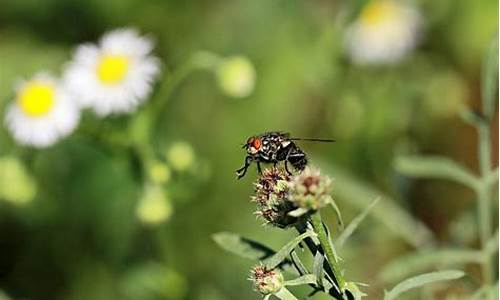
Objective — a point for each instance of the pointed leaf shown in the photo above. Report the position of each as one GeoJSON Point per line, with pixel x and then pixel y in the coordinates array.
{"type": "Point", "coordinates": [337, 212]}
{"type": "Point", "coordinates": [241, 246]}
{"type": "Point", "coordinates": [420, 280]}
{"type": "Point", "coordinates": [281, 255]}
{"type": "Point", "coordinates": [305, 279]}
{"type": "Point", "coordinates": [298, 263]}
{"type": "Point", "coordinates": [318, 267]}
{"type": "Point", "coordinates": [435, 167]}
{"type": "Point", "coordinates": [357, 193]}
{"type": "Point", "coordinates": [489, 80]}
{"type": "Point", "coordinates": [424, 261]}
{"type": "Point", "coordinates": [355, 223]}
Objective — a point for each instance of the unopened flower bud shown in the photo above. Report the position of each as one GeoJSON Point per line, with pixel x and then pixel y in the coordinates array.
{"type": "Point", "coordinates": [16, 184]}
{"type": "Point", "coordinates": [267, 281]}
{"type": "Point", "coordinates": [159, 172]}
{"type": "Point", "coordinates": [271, 197]}
{"type": "Point", "coordinates": [309, 190]}
{"type": "Point", "coordinates": [236, 76]}
{"type": "Point", "coordinates": [153, 208]}
{"type": "Point", "coordinates": [181, 156]}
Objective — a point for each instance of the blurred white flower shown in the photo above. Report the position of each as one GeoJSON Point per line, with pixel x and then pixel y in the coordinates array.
{"type": "Point", "coordinates": [115, 76]}
{"type": "Point", "coordinates": [42, 112]}
{"type": "Point", "coordinates": [236, 76]}
{"type": "Point", "coordinates": [385, 32]}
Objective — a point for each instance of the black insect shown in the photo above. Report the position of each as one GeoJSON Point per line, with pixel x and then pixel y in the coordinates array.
{"type": "Point", "coordinates": [273, 147]}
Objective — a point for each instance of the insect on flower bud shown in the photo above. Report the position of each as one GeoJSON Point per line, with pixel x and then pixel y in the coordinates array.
{"type": "Point", "coordinates": [271, 197]}
{"type": "Point", "coordinates": [309, 190]}
{"type": "Point", "coordinates": [266, 281]}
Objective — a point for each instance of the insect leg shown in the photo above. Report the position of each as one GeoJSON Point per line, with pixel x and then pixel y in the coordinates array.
{"type": "Point", "coordinates": [242, 171]}
{"type": "Point", "coordinates": [258, 167]}
{"type": "Point", "coordinates": [286, 160]}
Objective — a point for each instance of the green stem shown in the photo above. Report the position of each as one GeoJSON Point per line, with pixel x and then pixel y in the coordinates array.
{"type": "Point", "coordinates": [144, 124]}
{"type": "Point", "coordinates": [317, 224]}
{"type": "Point", "coordinates": [484, 196]}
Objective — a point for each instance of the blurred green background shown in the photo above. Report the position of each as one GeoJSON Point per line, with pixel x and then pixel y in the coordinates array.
{"type": "Point", "coordinates": [68, 225]}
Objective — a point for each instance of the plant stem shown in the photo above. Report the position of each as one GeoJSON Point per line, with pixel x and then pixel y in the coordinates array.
{"type": "Point", "coordinates": [317, 224]}
{"type": "Point", "coordinates": [484, 194]}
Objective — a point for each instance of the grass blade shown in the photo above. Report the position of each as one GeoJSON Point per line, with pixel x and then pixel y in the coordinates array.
{"type": "Point", "coordinates": [355, 223]}
{"type": "Point", "coordinates": [420, 280]}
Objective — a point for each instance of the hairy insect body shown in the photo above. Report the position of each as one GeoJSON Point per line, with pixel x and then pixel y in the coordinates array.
{"type": "Point", "coordinates": [273, 147]}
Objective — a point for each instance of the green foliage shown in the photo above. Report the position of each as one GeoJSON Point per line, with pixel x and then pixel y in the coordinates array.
{"type": "Point", "coordinates": [489, 86]}
{"type": "Point", "coordinates": [421, 280]}
{"type": "Point", "coordinates": [73, 220]}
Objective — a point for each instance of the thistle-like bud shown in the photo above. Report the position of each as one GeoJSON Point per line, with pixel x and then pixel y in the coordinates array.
{"type": "Point", "coordinates": [310, 191]}
{"type": "Point", "coordinates": [271, 197]}
{"type": "Point", "coordinates": [266, 281]}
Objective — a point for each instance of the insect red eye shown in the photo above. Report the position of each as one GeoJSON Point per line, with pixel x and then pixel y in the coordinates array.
{"type": "Point", "coordinates": [256, 143]}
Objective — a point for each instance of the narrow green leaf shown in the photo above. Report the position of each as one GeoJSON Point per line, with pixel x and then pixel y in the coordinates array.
{"type": "Point", "coordinates": [281, 255]}
{"type": "Point", "coordinates": [298, 263]}
{"type": "Point", "coordinates": [355, 223]}
{"type": "Point", "coordinates": [318, 267]}
{"type": "Point", "coordinates": [435, 167]}
{"type": "Point", "coordinates": [284, 294]}
{"type": "Point", "coordinates": [428, 260]}
{"type": "Point", "coordinates": [359, 194]}
{"type": "Point", "coordinates": [420, 280]}
{"type": "Point", "coordinates": [335, 207]}
{"type": "Point", "coordinates": [241, 246]}
{"type": "Point", "coordinates": [489, 80]}
{"type": "Point", "coordinates": [305, 279]}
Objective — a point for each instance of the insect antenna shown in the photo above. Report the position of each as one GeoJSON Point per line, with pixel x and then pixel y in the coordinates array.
{"type": "Point", "coordinates": [313, 140]}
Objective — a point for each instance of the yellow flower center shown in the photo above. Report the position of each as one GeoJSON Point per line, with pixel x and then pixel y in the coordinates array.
{"type": "Point", "coordinates": [36, 98]}
{"type": "Point", "coordinates": [379, 11]}
{"type": "Point", "coordinates": [112, 68]}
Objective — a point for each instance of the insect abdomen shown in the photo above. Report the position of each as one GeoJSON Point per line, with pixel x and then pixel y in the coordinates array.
{"type": "Point", "coordinates": [298, 159]}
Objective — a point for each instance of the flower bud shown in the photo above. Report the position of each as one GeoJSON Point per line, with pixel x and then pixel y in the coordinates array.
{"type": "Point", "coordinates": [236, 76]}
{"type": "Point", "coordinates": [266, 281]}
{"type": "Point", "coordinates": [271, 197]}
{"type": "Point", "coordinates": [159, 172]}
{"type": "Point", "coordinates": [153, 208]}
{"type": "Point", "coordinates": [16, 185]}
{"type": "Point", "coordinates": [181, 156]}
{"type": "Point", "coordinates": [309, 190]}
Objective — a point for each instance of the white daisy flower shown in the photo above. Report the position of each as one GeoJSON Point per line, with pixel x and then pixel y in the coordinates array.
{"type": "Point", "coordinates": [385, 32]}
{"type": "Point", "coordinates": [42, 112]}
{"type": "Point", "coordinates": [115, 76]}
